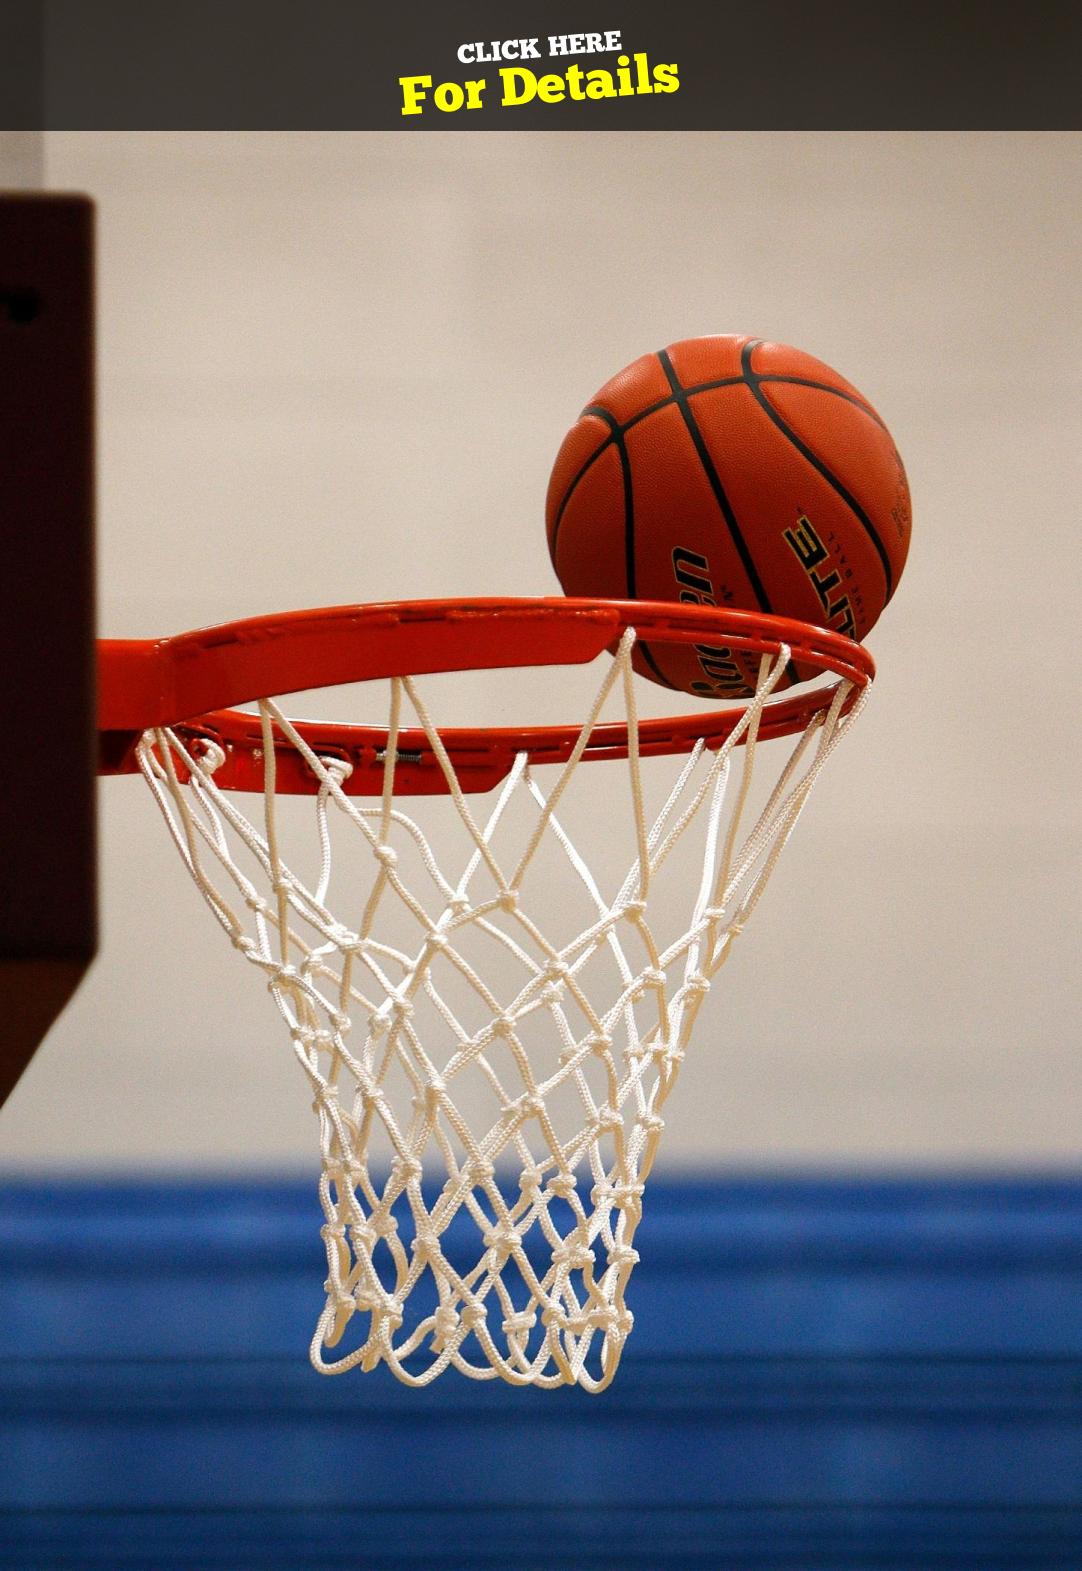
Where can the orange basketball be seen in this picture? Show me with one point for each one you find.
(730, 471)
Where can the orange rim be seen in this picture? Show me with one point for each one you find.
(191, 682)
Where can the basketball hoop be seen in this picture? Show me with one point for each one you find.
(513, 1069)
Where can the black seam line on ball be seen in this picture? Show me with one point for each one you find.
(629, 504)
(817, 464)
(680, 395)
(820, 387)
(647, 653)
(693, 391)
(614, 432)
(618, 429)
(735, 381)
(629, 531)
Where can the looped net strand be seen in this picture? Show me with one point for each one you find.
(489, 1048)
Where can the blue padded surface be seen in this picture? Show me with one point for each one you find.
(823, 1373)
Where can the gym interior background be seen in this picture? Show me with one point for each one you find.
(338, 367)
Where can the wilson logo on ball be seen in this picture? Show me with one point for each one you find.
(723, 676)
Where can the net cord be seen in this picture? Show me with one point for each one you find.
(543, 1302)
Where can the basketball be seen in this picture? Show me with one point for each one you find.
(735, 472)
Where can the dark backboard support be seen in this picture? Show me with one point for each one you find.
(48, 926)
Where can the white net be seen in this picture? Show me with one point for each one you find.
(489, 1050)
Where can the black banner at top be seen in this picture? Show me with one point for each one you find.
(602, 65)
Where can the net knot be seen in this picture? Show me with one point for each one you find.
(388, 1313)
(557, 971)
(401, 1007)
(322, 1041)
(210, 757)
(426, 1245)
(606, 1120)
(339, 769)
(530, 1184)
(387, 855)
(528, 1106)
(635, 910)
(459, 904)
(520, 1325)
(563, 1185)
(650, 978)
(431, 1098)
(620, 1325)
(573, 1254)
(473, 1315)
(653, 1123)
(479, 1171)
(368, 1300)
(623, 1257)
(659, 1051)
(602, 1317)
(445, 1323)
(696, 984)
(436, 941)
(286, 976)
(599, 1042)
(343, 937)
(404, 1168)
(507, 900)
(615, 1323)
(627, 1196)
(499, 1241)
(364, 1237)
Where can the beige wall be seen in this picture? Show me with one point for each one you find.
(338, 367)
